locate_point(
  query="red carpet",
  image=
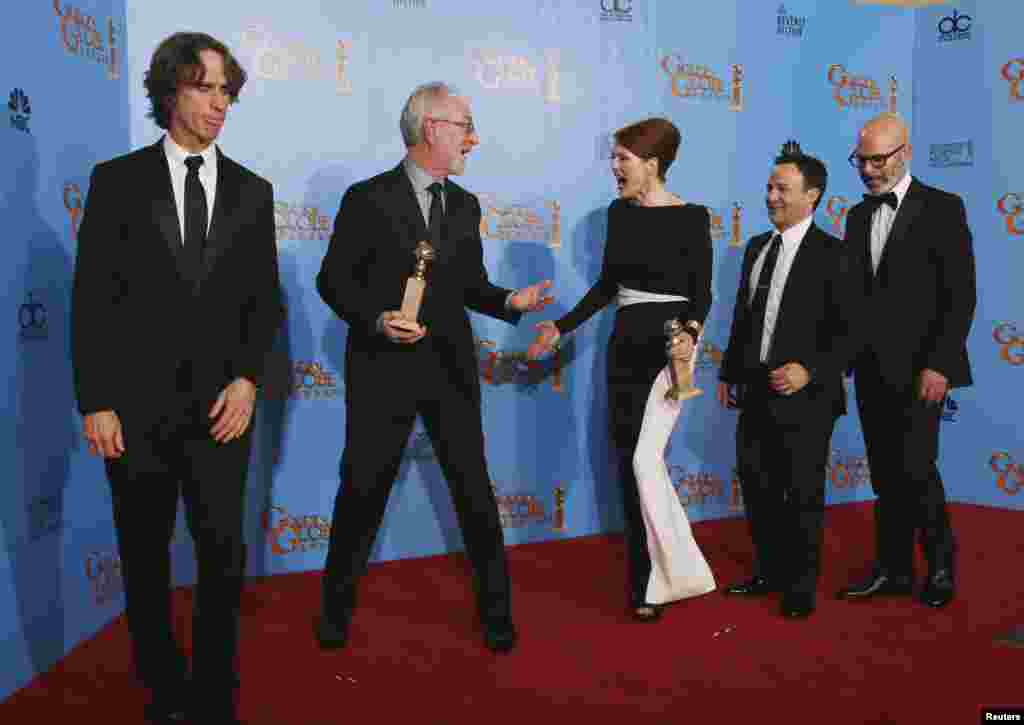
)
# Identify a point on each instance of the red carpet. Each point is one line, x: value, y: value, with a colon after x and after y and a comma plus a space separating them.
x: 415, y: 655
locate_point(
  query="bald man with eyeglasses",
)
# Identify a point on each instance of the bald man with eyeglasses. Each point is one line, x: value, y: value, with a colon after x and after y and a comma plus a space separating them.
x: 917, y: 263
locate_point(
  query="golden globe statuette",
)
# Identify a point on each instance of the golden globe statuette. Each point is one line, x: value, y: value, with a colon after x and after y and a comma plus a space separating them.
x: 417, y: 283
x: 73, y: 203
x: 681, y: 375
x: 113, y: 61
x: 736, y: 94
x: 737, y: 234
x: 558, y: 515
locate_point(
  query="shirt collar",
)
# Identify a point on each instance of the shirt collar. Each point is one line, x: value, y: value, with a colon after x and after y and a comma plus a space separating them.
x: 177, y: 155
x: 795, y: 233
x: 901, y: 188
x: 420, y: 179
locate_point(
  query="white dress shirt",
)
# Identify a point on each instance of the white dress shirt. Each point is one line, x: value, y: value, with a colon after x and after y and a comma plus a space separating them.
x: 791, y: 240
x: 420, y: 181
x: 882, y: 219
x: 176, y: 156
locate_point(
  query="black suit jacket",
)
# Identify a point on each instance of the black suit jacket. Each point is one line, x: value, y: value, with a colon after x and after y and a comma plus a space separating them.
x: 369, y: 259
x: 920, y: 304
x: 816, y: 326
x: 138, y: 311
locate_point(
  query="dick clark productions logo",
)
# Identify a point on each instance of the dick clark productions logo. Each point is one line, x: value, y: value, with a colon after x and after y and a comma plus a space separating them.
x: 20, y: 110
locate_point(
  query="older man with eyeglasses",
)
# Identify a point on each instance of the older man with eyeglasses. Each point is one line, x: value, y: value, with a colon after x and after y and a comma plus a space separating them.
x: 915, y: 254
x: 397, y: 368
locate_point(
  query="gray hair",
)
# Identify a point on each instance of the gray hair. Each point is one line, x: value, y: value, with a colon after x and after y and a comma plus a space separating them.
x: 419, y: 105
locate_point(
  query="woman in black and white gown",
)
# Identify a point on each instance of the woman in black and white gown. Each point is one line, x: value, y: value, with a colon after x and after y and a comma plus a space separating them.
x: 656, y: 267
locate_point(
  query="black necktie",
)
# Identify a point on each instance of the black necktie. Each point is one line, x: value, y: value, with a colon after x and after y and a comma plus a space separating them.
x: 874, y: 201
x: 436, y: 215
x: 195, y: 215
x: 759, y: 305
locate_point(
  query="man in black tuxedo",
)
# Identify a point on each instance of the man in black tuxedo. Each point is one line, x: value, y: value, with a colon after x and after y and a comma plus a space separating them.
x: 174, y: 307
x: 396, y: 369
x: 792, y: 337
x: 917, y: 265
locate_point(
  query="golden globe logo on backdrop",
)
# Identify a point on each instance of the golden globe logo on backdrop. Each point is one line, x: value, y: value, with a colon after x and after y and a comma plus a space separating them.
x: 289, y: 534
x: 505, y: 367
x: 836, y: 209
x: 847, y: 471
x: 731, y: 230
x: 1008, y: 472
x: 500, y: 70
x: 83, y: 37
x: 518, y: 510
x: 1011, y: 206
x: 529, y: 221
x: 103, y: 572
x: 699, y: 82
x: 313, y: 381
x: 697, y: 488
x: 1013, y: 73
x: 858, y: 91
x: 275, y: 57
x: 298, y: 223
x: 1010, y: 342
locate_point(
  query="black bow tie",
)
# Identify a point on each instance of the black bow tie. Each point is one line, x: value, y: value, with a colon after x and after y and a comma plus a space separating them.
x: 874, y: 201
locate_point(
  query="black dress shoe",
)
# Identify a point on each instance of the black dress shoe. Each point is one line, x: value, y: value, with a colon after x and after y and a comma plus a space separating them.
x: 878, y: 584
x: 329, y: 634
x: 797, y: 605
x: 938, y: 589
x: 754, y: 587
x: 169, y: 703
x: 647, y: 612
x: 161, y: 712
x: 500, y: 637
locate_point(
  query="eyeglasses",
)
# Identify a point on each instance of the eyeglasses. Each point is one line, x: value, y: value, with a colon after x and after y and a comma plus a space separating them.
x: 877, y: 161
x: 466, y: 125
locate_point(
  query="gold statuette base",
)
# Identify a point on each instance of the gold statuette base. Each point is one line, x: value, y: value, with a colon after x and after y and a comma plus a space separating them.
x: 682, y: 381
x: 413, y: 298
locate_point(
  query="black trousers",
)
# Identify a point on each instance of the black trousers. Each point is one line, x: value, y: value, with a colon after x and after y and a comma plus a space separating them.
x: 781, y: 468
x: 902, y: 437
x: 164, y: 459
x: 375, y: 437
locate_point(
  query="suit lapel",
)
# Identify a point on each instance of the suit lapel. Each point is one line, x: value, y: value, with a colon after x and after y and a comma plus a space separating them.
x: 225, y: 205
x: 165, y: 211
x: 801, y: 268
x: 908, y: 211
x: 408, y: 206
x: 756, y: 245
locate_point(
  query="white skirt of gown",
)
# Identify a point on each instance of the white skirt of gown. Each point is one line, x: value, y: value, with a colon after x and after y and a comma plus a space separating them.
x: 678, y: 568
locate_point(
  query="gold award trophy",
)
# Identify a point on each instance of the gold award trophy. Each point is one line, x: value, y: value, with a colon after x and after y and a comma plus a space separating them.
x: 679, y: 367
x: 417, y: 283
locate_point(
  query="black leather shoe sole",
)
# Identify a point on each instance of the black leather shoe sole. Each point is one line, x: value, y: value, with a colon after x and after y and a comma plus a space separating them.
x: 646, y: 613
x: 882, y: 586
x: 936, y: 596
x: 756, y: 587
x: 797, y: 606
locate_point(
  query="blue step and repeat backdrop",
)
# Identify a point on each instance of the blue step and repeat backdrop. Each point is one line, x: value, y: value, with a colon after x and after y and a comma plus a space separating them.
x: 549, y: 81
